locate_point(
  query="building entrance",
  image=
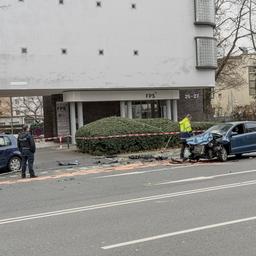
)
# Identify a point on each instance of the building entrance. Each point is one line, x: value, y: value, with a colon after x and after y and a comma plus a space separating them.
x: 149, y: 109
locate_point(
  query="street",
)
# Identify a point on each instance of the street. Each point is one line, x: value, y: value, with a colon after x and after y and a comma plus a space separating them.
x: 188, y: 209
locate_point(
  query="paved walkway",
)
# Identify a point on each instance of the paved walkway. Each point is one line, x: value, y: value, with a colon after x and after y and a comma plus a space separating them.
x: 51, y: 159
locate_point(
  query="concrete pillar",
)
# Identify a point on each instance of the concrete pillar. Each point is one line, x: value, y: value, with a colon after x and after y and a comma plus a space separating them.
x: 80, y: 114
x: 129, y: 105
x: 168, y: 110
x: 174, y: 110
x: 73, y: 121
x: 122, y: 109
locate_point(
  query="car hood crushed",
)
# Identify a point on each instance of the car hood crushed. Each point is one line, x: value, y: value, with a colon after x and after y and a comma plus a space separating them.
x: 203, y: 138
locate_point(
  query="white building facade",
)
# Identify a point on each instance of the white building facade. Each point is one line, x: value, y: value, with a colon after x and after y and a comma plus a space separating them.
x: 138, y: 54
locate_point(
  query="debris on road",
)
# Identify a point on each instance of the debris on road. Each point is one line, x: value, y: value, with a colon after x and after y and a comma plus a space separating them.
x: 61, y: 163
x: 148, y: 157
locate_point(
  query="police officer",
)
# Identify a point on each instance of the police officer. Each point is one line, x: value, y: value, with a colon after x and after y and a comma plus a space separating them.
x: 27, y: 147
x: 185, y: 132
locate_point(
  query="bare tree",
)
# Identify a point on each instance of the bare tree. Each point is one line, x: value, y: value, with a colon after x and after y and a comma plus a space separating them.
x: 31, y: 107
x: 252, y: 27
x: 232, y: 18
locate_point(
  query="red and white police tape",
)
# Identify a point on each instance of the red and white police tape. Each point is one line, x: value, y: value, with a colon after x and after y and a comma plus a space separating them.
x: 60, y: 139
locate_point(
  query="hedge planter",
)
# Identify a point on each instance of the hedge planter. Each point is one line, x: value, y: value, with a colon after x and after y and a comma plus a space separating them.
x: 116, y: 135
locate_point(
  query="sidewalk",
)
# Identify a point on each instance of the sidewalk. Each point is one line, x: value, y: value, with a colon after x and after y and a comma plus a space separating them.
x: 51, y: 157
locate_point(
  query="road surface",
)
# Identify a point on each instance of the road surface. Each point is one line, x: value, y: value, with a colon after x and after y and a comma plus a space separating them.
x: 200, y: 209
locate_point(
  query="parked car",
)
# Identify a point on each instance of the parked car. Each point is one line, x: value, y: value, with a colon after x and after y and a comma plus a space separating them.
x: 233, y: 138
x: 10, y: 156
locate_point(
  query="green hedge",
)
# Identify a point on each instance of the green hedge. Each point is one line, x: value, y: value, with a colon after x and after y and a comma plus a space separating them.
x: 119, y: 126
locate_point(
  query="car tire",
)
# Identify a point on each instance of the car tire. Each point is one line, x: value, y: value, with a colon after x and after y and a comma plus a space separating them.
x: 14, y: 164
x: 223, y: 155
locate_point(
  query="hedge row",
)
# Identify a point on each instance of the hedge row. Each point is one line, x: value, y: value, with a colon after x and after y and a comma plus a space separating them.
x: 120, y: 126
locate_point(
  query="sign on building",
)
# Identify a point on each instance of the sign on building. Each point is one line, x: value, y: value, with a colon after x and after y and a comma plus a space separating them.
x: 62, y: 109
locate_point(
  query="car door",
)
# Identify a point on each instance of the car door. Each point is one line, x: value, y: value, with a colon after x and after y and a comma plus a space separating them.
x: 3, y: 157
x: 238, y: 140
x: 250, y: 128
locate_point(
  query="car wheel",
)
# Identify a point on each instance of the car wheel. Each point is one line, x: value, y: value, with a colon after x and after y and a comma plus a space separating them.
x: 223, y: 155
x: 14, y: 164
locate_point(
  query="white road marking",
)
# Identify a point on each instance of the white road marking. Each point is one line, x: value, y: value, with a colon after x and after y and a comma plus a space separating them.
x: 156, y: 170
x: 125, y: 202
x: 45, y: 172
x: 177, y: 233
x: 205, y: 177
x: 117, y: 175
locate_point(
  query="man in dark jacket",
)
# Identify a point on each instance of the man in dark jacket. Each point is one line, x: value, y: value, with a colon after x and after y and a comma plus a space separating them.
x: 27, y: 147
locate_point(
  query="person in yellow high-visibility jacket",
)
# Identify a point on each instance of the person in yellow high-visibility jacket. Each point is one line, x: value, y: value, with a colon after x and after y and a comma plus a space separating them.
x: 185, y: 132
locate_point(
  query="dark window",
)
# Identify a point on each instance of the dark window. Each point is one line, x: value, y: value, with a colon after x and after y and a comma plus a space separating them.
x: 7, y: 141
x: 101, y: 52
x: 252, y: 80
x: 61, y: 1
x: 133, y: 6
x: 4, y: 141
x: 24, y: 50
x: 239, y: 129
x: 64, y: 51
x: 250, y: 127
x: 98, y: 4
x: 148, y: 109
x: 135, y: 52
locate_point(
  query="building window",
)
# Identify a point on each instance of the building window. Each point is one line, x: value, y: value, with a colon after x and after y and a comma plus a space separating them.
x: 133, y: 6
x: 98, y: 4
x: 252, y: 80
x: 205, y: 12
x: 135, y: 52
x: 206, y: 53
x: 148, y: 109
x: 64, y: 51
x: 101, y: 52
x: 24, y: 50
x: 61, y: 1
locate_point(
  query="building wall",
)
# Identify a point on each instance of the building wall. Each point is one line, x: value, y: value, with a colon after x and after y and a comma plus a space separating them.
x: 192, y: 102
x: 228, y: 96
x: 4, y: 106
x: 162, y: 32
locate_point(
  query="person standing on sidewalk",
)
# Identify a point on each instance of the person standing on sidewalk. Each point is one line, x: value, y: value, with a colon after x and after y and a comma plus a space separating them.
x: 185, y: 132
x: 27, y: 147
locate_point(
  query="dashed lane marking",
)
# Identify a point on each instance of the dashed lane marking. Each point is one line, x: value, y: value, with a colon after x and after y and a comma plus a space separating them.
x: 177, y: 233
x: 205, y: 177
x: 80, y: 172
x: 170, y: 167
x: 126, y: 202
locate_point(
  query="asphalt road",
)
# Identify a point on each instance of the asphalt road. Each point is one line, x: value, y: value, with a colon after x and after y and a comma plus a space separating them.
x: 200, y: 209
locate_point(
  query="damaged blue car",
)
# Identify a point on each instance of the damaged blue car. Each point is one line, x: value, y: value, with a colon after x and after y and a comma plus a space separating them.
x: 233, y: 138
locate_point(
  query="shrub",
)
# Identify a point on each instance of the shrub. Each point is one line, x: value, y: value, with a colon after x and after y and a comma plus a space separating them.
x: 37, y: 129
x: 121, y: 126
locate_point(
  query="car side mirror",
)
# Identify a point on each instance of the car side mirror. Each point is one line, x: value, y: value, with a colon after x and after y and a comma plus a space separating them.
x: 234, y: 134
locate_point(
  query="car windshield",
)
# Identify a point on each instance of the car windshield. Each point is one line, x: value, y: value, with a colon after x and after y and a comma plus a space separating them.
x: 220, y: 128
